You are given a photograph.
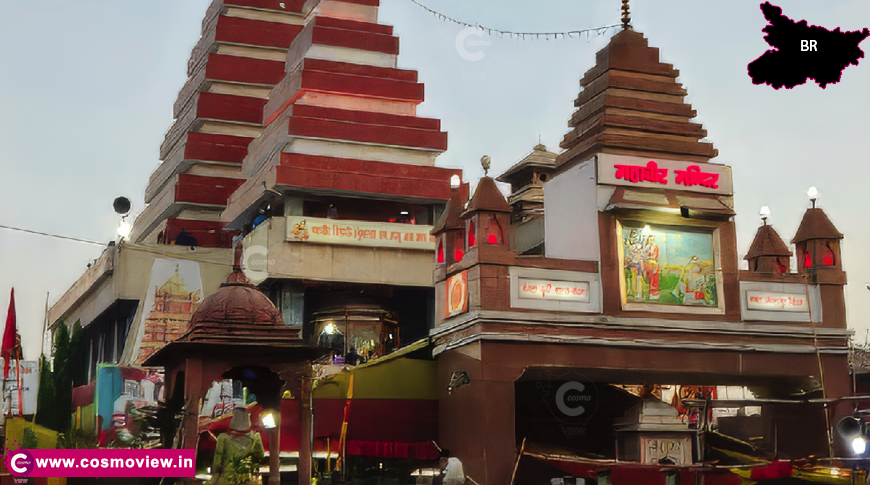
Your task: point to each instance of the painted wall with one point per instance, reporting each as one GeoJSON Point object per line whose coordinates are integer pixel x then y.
{"type": "Point", "coordinates": [124, 276]}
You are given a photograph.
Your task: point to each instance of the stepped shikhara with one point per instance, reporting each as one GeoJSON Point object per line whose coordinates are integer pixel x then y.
{"type": "Point", "coordinates": [343, 118]}
{"type": "Point", "coordinates": [297, 94]}
{"type": "Point", "coordinates": [631, 104]}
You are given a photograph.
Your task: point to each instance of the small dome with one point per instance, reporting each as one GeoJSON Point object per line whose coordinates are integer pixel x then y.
{"type": "Point", "coordinates": [237, 303]}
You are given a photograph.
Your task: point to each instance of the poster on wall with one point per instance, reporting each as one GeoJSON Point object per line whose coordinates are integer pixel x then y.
{"type": "Point", "coordinates": [457, 294]}
{"type": "Point", "coordinates": [173, 294]}
{"type": "Point", "coordinates": [29, 386]}
{"type": "Point", "coordinates": [667, 268]}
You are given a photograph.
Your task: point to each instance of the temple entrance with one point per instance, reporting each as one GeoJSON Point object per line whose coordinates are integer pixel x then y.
{"type": "Point", "coordinates": [589, 421]}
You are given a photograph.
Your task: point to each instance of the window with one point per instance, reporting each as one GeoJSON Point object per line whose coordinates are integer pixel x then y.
{"type": "Point", "coordinates": [828, 257]}
{"type": "Point", "coordinates": [459, 246]}
{"type": "Point", "coordinates": [494, 234]}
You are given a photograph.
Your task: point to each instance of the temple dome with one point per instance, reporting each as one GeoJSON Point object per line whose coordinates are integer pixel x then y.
{"type": "Point", "coordinates": [237, 303]}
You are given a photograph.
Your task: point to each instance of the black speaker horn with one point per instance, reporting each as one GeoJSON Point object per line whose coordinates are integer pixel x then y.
{"type": "Point", "coordinates": [851, 427]}
{"type": "Point", "coordinates": [122, 205]}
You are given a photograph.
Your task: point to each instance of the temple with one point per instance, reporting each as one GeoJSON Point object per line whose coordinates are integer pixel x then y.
{"type": "Point", "coordinates": [302, 257]}
{"type": "Point", "coordinates": [630, 347]}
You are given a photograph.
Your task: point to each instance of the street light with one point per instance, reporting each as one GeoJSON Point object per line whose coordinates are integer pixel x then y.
{"type": "Point", "coordinates": [859, 446]}
{"type": "Point", "coordinates": [854, 430]}
{"type": "Point", "coordinates": [813, 194]}
{"type": "Point", "coordinates": [764, 213]}
{"type": "Point", "coordinates": [124, 229]}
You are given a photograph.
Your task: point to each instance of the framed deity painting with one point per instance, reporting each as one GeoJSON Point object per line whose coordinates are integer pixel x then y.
{"type": "Point", "coordinates": [669, 269]}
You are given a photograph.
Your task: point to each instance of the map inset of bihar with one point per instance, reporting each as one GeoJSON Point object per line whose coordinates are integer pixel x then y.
{"type": "Point", "coordinates": [800, 52]}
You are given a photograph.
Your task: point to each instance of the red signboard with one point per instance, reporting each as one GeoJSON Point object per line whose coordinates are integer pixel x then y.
{"type": "Point", "coordinates": [663, 173]}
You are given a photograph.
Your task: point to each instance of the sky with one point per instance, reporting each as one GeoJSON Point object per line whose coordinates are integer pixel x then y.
{"type": "Point", "coordinates": [87, 87]}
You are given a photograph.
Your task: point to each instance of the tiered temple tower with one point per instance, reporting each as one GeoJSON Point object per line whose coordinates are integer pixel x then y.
{"type": "Point", "coordinates": [219, 111]}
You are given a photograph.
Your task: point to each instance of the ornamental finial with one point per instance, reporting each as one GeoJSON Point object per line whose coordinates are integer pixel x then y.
{"type": "Point", "coordinates": [626, 18]}
{"type": "Point", "coordinates": [485, 162]}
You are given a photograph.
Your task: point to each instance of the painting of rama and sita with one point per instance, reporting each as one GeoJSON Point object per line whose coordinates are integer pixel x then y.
{"type": "Point", "coordinates": [667, 267]}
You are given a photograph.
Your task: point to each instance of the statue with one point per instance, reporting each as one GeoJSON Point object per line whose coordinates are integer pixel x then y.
{"type": "Point", "coordinates": [238, 453]}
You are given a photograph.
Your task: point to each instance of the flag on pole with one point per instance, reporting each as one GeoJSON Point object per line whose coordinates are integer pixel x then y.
{"type": "Point", "coordinates": [11, 346]}
{"type": "Point", "coordinates": [342, 442]}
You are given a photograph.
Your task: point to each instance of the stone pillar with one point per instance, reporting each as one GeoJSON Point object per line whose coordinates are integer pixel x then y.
{"type": "Point", "coordinates": [477, 425]}
{"type": "Point", "coordinates": [305, 424]}
{"type": "Point", "coordinates": [192, 397]}
{"type": "Point", "coordinates": [275, 450]}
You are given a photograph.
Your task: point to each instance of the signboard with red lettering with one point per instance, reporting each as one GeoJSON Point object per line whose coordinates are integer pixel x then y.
{"type": "Point", "coordinates": [780, 302]}
{"type": "Point", "coordinates": [359, 233]}
{"type": "Point", "coordinates": [776, 302]}
{"type": "Point", "coordinates": [662, 173]}
{"type": "Point", "coordinates": [553, 290]}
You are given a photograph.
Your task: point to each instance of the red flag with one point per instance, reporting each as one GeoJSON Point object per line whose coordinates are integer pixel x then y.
{"type": "Point", "coordinates": [11, 340]}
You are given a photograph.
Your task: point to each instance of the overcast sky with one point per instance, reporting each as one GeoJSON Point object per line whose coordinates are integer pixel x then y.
{"type": "Point", "coordinates": [87, 87]}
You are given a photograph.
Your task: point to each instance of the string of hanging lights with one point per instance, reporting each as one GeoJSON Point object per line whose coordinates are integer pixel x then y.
{"type": "Point", "coordinates": [573, 34]}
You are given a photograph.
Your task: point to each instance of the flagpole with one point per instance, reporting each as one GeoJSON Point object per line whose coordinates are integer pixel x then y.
{"type": "Point", "coordinates": [20, 381]}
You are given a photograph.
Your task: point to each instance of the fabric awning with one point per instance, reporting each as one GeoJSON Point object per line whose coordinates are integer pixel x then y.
{"type": "Point", "coordinates": [670, 201]}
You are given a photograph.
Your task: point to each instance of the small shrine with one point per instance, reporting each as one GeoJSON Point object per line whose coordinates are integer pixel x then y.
{"type": "Point", "coordinates": [654, 433]}
{"type": "Point", "coordinates": [237, 333]}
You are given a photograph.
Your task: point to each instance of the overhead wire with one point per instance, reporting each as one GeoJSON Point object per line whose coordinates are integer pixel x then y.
{"type": "Point", "coordinates": [519, 35]}
{"type": "Point", "coordinates": [78, 239]}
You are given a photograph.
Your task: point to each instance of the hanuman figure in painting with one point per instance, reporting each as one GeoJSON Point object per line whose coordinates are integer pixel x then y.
{"type": "Point", "coordinates": [651, 266]}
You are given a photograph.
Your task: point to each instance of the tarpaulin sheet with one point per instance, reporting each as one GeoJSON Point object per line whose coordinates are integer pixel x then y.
{"type": "Point", "coordinates": [83, 395]}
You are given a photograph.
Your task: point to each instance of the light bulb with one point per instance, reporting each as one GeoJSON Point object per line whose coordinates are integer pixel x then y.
{"type": "Point", "coordinates": [859, 445]}
{"type": "Point", "coordinates": [764, 213]}
{"type": "Point", "coordinates": [268, 420]}
{"type": "Point", "coordinates": [813, 193]}
{"type": "Point", "coordinates": [124, 229]}
{"type": "Point", "coordinates": [455, 181]}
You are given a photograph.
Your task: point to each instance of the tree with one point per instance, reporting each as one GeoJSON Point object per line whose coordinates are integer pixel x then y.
{"type": "Point", "coordinates": [46, 401]}
{"type": "Point", "coordinates": [78, 358]}
{"type": "Point", "coordinates": [56, 385]}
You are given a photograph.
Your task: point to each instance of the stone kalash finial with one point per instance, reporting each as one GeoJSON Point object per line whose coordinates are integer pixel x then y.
{"type": "Point", "coordinates": [485, 162]}
{"type": "Point", "coordinates": [238, 276]}
{"type": "Point", "coordinates": [626, 18]}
